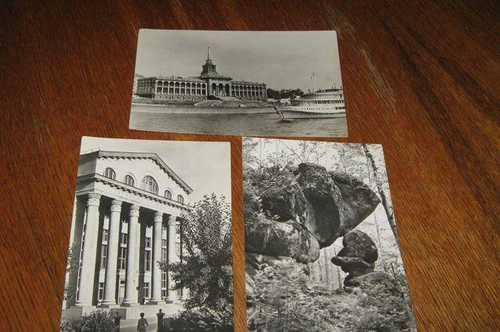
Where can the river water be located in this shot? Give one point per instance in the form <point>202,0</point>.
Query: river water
<point>257,122</point>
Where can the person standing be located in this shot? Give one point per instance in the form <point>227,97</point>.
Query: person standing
<point>142,323</point>
<point>160,316</point>
<point>116,320</point>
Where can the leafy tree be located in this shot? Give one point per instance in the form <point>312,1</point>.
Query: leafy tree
<point>206,268</point>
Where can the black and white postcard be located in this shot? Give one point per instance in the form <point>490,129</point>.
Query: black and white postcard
<point>321,239</point>
<point>280,83</point>
<point>150,244</point>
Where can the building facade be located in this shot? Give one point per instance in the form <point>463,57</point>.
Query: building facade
<point>127,219</point>
<point>209,83</point>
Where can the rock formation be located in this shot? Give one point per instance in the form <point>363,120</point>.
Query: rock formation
<point>308,210</point>
<point>290,215</point>
<point>358,256</point>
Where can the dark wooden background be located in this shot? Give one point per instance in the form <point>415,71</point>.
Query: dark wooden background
<point>420,78</point>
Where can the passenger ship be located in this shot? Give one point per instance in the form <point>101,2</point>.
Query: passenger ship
<point>326,103</point>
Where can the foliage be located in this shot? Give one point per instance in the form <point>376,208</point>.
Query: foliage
<point>72,267</point>
<point>206,268</point>
<point>284,300</point>
<point>194,321</point>
<point>97,321</point>
<point>284,93</point>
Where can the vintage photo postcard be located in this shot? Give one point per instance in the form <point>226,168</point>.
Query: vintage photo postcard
<point>322,250</point>
<point>254,83</point>
<point>150,245</point>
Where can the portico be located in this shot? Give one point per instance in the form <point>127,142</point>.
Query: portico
<point>122,229</point>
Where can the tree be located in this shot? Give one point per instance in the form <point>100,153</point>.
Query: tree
<point>379,186</point>
<point>206,268</point>
<point>72,269</point>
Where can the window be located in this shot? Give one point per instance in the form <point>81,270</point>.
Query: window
<point>123,238</point>
<point>168,194</point>
<point>100,291</point>
<point>104,255</point>
<point>164,287</point>
<point>110,173</point>
<point>129,180</point>
<point>147,260</point>
<point>148,242</point>
<point>146,289</point>
<point>150,184</point>
<point>122,258</point>
<point>105,235</point>
<point>180,199</point>
<point>178,249</point>
<point>164,252</point>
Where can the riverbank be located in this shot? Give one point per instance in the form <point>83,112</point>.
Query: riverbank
<point>192,109</point>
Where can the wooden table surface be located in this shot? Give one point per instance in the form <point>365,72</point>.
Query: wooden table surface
<point>422,79</point>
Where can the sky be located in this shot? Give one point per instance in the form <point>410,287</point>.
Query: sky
<point>205,166</point>
<point>282,60</point>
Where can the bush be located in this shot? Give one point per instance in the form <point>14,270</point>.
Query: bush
<point>97,321</point>
<point>283,299</point>
<point>194,321</point>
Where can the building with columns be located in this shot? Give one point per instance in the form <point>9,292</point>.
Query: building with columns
<point>209,84</point>
<point>127,217</point>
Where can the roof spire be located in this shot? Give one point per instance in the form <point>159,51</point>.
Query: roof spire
<point>208,53</point>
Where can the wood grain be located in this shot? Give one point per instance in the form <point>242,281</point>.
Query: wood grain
<point>420,78</point>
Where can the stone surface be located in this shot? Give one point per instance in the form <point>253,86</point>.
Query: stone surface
<point>282,239</point>
<point>308,210</point>
<point>358,256</point>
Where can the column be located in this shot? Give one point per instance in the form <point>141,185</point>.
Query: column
<point>131,285</point>
<point>158,221</point>
<point>89,251</point>
<point>75,246</point>
<point>113,244</point>
<point>172,256</point>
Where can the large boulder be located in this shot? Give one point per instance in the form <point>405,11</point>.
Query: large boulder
<point>358,256</point>
<point>282,239</point>
<point>308,209</point>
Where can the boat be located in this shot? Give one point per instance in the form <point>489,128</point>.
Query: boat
<point>326,103</point>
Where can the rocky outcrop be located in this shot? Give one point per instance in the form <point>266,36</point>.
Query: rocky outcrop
<point>308,209</point>
<point>358,256</point>
<point>282,239</point>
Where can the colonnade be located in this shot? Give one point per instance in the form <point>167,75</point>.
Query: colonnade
<point>247,91</point>
<point>181,88</point>
<point>89,238</point>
